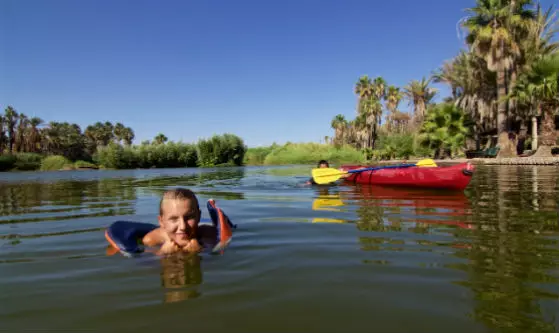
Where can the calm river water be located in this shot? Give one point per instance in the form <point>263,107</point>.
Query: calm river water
<point>343,258</point>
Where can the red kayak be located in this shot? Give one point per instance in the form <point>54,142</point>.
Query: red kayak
<point>454,177</point>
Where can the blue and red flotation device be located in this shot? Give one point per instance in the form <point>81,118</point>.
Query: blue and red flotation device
<point>126,236</point>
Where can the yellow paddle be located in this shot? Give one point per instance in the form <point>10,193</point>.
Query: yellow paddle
<point>329,175</point>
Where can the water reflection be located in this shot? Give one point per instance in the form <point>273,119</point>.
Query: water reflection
<point>327,201</point>
<point>519,202</point>
<point>33,202</point>
<point>510,261</point>
<point>493,249</point>
<point>384,208</point>
<point>180,276</point>
<point>503,229</point>
<point>222,177</point>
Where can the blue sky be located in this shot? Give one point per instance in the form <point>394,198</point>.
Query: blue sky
<point>264,70</point>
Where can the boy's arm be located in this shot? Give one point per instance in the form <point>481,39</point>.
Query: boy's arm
<point>154,238</point>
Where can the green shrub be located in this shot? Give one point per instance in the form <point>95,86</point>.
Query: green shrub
<point>226,149</point>
<point>399,146</point>
<point>164,155</point>
<point>84,164</point>
<point>54,162</point>
<point>28,161</point>
<point>7,162</point>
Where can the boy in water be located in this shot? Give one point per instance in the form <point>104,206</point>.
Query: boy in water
<point>179,216</point>
<point>321,164</point>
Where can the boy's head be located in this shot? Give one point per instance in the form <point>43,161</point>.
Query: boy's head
<point>179,214</point>
<point>323,164</point>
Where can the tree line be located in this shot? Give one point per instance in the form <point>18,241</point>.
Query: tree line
<point>27,143</point>
<point>504,85</point>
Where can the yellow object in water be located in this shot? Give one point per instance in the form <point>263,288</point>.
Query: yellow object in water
<point>325,220</point>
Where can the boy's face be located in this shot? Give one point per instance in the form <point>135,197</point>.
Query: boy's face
<point>180,219</point>
<point>323,165</point>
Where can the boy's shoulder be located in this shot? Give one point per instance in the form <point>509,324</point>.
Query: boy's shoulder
<point>154,237</point>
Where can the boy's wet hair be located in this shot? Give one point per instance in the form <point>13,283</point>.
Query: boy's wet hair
<point>178,194</point>
<point>323,162</point>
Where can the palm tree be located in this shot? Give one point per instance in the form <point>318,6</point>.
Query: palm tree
<point>160,139</point>
<point>393,97</point>
<point>495,27</point>
<point>20,141</point>
<point>540,86</point>
<point>34,139</point>
<point>128,135</point>
<point>379,88</point>
<point>118,132</point>
<point>372,113</point>
<point>363,89</point>
<point>339,124</point>
<point>2,135</point>
<point>446,74</point>
<point>10,120</point>
<point>419,94</point>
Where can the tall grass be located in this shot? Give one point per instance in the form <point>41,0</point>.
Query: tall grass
<point>303,153</point>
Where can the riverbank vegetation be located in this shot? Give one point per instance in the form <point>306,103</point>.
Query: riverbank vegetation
<point>29,144</point>
<point>302,153</point>
<point>502,84</point>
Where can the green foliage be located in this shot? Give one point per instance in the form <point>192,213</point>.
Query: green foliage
<point>167,155</point>
<point>54,162</point>
<point>219,150</point>
<point>20,161</point>
<point>444,129</point>
<point>257,155</point>
<point>303,153</point>
<point>112,156</point>
<point>84,164</point>
<point>28,161</point>
<point>398,146</point>
<point>7,162</point>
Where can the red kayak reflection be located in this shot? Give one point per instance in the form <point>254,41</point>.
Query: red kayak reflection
<point>445,207</point>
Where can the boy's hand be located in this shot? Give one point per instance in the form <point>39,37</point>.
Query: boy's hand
<point>192,246</point>
<point>169,247</point>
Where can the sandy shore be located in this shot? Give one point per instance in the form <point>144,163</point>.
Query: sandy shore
<point>487,161</point>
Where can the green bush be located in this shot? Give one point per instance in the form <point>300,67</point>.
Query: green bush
<point>28,161</point>
<point>84,164</point>
<point>444,129</point>
<point>54,162</point>
<point>7,162</point>
<point>399,146</point>
<point>168,155</point>
<point>164,155</point>
<point>226,149</point>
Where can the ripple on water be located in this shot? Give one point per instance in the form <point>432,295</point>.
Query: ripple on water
<point>313,259</point>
